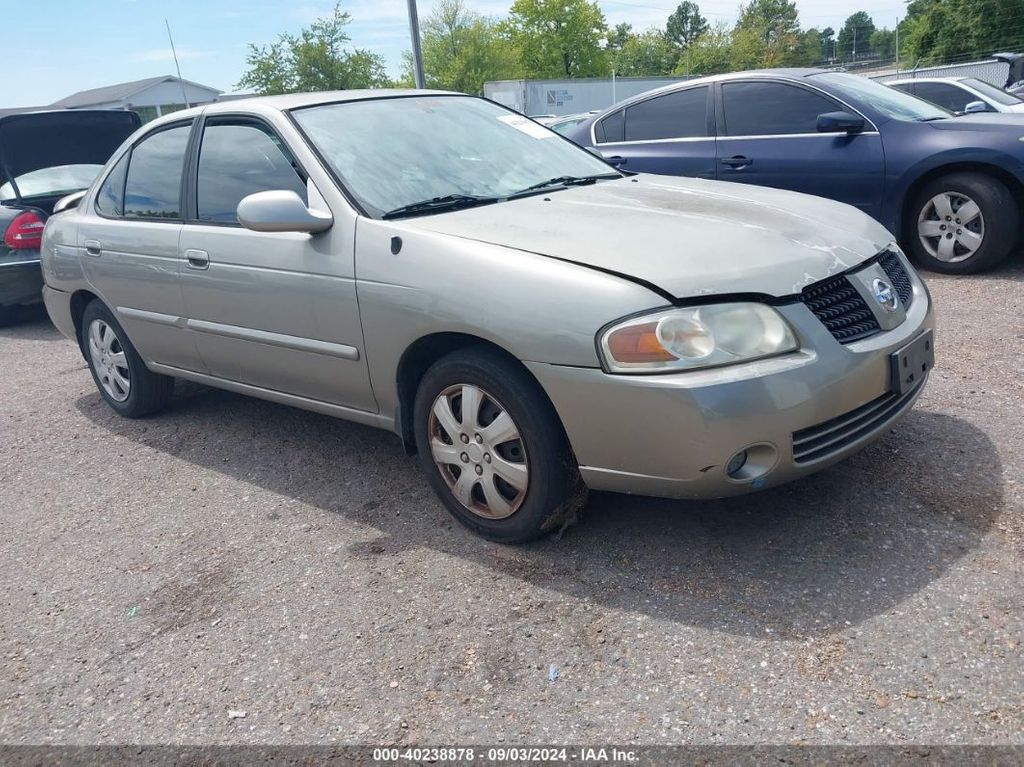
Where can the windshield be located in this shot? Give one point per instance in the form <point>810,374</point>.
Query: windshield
<point>997,95</point>
<point>394,152</point>
<point>889,101</point>
<point>64,179</point>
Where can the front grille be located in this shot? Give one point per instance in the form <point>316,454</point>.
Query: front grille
<point>829,437</point>
<point>841,309</point>
<point>893,268</point>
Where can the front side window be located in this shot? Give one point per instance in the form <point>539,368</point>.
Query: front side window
<point>944,95</point>
<point>768,108</point>
<point>110,198</point>
<point>237,159</point>
<point>153,188</point>
<point>682,114</point>
<point>394,152</point>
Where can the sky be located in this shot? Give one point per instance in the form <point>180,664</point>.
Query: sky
<point>57,47</point>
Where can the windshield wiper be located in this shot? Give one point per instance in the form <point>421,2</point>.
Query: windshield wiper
<point>437,204</point>
<point>933,119</point>
<point>567,181</point>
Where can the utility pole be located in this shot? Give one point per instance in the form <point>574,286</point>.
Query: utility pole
<point>897,45</point>
<point>855,44</point>
<point>417,52</point>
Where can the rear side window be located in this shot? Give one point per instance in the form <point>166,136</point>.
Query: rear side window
<point>153,187</point>
<point>768,109</point>
<point>683,114</point>
<point>237,159</point>
<point>110,198</point>
<point>610,128</point>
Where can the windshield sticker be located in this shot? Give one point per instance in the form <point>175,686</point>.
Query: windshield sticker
<point>526,125</point>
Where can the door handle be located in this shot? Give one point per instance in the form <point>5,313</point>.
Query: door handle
<point>738,162</point>
<point>615,160</point>
<point>92,247</point>
<point>197,259</point>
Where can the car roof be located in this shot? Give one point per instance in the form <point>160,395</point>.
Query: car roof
<point>905,80</point>
<point>792,73</point>
<point>285,102</point>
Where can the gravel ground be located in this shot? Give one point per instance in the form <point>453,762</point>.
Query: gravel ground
<point>164,576</point>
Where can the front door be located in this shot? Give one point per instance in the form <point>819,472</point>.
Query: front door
<point>768,135</point>
<point>275,310</point>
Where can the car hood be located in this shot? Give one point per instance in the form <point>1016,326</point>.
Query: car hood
<point>35,140</point>
<point>686,237</point>
<point>989,122</point>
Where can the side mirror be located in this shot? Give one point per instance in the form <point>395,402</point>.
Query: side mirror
<point>281,210</point>
<point>840,122</point>
<point>974,107</point>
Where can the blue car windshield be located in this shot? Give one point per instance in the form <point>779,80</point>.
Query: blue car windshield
<point>889,101</point>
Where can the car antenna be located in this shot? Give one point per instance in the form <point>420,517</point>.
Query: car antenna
<point>177,66</point>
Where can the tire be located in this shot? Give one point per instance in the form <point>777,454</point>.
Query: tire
<point>9,315</point>
<point>949,251</point>
<point>121,377</point>
<point>546,493</point>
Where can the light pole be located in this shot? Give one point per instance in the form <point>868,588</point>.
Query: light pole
<point>417,52</point>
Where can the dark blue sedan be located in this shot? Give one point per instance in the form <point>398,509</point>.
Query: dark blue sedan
<point>950,188</point>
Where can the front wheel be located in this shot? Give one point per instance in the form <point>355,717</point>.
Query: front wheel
<point>494,449</point>
<point>962,223</point>
<point>121,376</point>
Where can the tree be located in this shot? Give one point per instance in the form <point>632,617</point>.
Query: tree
<point>855,37</point>
<point>686,24</point>
<point>710,54</point>
<point>774,21</point>
<point>618,37</point>
<point>462,50</point>
<point>313,60</point>
<point>883,43</point>
<point>648,54</point>
<point>558,38</point>
<point>827,37</point>
<point>768,31</point>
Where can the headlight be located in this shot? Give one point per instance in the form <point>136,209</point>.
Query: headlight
<point>695,337</point>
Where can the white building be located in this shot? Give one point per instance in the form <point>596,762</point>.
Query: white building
<point>151,98</point>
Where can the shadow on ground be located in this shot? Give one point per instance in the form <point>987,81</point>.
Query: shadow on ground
<point>32,324</point>
<point>802,560</point>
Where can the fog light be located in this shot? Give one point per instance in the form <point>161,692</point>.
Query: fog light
<point>736,463</point>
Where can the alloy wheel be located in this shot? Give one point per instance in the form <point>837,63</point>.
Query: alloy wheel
<point>478,449</point>
<point>109,361</point>
<point>951,227</point>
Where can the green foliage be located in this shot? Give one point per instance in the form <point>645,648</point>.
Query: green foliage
<point>649,54</point>
<point>883,43</point>
<point>710,54</point>
<point>558,38</point>
<point>686,24</point>
<point>617,38</point>
<point>462,50</point>
<point>854,40</point>
<point>939,30</point>
<point>313,60</point>
<point>768,32</point>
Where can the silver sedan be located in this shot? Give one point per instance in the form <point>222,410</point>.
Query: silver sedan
<point>527,319</point>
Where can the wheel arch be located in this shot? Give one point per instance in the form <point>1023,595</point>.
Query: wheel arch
<point>79,300</point>
<point>424,352</point>
<point>1009,179</point>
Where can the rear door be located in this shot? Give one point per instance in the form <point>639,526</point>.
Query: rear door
<point>129,244</point>
<point>671,134</point>
<point>767,135</point>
